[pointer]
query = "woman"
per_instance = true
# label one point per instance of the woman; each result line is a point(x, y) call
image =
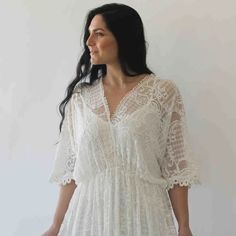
point(123, 160)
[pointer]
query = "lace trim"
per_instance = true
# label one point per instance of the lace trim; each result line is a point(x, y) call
point(182, 181)
point(62, 180)
point(93, 97)
point(112, 115)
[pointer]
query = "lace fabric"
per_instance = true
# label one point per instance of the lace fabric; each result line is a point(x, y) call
point(65, 152)
point(179, 165)
point(124, 164)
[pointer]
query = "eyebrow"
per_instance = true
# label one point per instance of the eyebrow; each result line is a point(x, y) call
point(94, 30)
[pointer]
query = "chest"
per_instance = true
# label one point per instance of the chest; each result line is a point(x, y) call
point(114, 105)
point(115, 96)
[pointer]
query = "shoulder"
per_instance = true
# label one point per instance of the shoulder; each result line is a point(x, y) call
point(165, 88)
point(78, 88)
point(74, 99)
point(166, 94)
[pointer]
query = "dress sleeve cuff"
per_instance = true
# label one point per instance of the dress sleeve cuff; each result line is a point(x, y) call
point(63, 179)
point(182, 181)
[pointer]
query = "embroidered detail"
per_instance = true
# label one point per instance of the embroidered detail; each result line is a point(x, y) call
point(186, 181)
point(70, 163)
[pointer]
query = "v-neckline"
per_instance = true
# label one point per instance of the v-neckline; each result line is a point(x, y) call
point(110, 115)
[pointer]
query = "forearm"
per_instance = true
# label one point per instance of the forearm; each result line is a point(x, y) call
point(65, 195)
point(179, 200)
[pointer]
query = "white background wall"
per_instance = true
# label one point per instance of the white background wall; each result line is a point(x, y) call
point(191, 42)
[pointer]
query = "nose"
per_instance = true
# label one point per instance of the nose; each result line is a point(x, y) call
point(90, 41)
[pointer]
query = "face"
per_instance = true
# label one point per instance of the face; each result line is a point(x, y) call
point(101, 42)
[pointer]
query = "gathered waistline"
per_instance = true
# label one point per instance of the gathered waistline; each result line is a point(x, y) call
point(143, 176)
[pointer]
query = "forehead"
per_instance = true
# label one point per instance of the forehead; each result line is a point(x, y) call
point(97, 22)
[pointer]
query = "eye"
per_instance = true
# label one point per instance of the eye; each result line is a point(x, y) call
point(99, 34)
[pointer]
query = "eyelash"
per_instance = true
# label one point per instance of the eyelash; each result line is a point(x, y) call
point(100, 34)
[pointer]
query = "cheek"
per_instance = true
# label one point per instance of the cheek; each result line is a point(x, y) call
point(110, 46)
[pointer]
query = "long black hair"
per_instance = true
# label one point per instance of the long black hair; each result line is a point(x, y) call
point(126, 25)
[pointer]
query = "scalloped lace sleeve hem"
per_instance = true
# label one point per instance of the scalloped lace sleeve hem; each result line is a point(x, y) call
point(182, 181)
point(61, 180)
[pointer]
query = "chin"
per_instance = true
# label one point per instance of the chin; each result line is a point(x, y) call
point(97, 62)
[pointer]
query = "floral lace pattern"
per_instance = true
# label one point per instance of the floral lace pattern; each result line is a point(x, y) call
point(124, 163)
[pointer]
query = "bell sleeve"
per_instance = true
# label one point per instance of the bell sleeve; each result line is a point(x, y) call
point(179, 165)
point(65, 156)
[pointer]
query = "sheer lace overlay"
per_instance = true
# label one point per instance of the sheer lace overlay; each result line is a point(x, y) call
point(124, 163)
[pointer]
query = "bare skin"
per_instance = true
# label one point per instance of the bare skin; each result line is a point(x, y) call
point(179, 200)
point(103, 47)
point(65, 195)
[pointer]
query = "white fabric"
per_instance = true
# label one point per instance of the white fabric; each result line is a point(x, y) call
point(124, 163)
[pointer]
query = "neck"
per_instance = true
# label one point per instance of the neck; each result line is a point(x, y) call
point(116, 78)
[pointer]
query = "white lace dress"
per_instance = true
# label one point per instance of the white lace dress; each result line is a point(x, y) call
point(123, 164)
